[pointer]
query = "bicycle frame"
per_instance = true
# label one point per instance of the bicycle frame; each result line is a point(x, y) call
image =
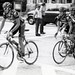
point(11, 43)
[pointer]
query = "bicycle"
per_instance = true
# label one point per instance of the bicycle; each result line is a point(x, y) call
point(62, 49)
point(7, 52)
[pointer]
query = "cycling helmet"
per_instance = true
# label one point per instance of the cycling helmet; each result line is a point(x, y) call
point(7, 5)
point(62, 9)
point(43, 4)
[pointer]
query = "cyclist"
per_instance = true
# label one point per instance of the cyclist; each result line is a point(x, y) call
point(63, 21)
point(72, 18)
point(19, 25)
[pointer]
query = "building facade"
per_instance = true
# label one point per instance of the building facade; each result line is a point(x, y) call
point(50, 1)
point(17, 4)
point(30, 4)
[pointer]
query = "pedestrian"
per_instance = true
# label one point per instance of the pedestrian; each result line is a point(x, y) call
point(38, 19)
point(19, 25)
point(43, 9)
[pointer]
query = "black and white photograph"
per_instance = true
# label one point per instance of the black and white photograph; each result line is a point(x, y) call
point(37, 37)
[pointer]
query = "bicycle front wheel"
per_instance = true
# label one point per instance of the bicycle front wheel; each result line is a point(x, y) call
point(59, 52)
point(31, 52)
point(6, 56)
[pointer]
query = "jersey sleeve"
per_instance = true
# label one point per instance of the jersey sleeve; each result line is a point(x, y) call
point(69, 18)
point(4, 15)
point(15, 14)
point(58, 18)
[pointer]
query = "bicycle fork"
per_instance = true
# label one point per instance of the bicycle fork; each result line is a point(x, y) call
point(29, 50)
point(6, 49)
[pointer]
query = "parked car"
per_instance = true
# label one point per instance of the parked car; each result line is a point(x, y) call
point(50, 16)
point(30, 17)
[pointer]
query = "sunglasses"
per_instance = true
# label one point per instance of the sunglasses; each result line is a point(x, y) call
point(5, 8)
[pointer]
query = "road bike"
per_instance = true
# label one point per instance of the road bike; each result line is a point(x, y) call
point(62, 49)
point(7, 52)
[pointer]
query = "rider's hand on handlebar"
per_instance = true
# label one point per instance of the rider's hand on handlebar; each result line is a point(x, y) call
point(0, 31)
point(9, 34)
point(69, 33)
point(55, 35)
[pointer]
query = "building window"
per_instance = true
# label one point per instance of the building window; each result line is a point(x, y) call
point(60, 1)
point(48, 1)
point(35, 1)
point(40, 0)
point(69, 1)
point(53, 1)
point(45, 1)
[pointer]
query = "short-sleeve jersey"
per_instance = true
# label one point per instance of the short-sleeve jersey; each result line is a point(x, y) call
point(62, 18)
point(12, 16)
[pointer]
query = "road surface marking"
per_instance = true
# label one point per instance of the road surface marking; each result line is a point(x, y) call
point(50, 70)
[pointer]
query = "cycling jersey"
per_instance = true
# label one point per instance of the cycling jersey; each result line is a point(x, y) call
point(72, 18)
point(64, 19)
point(12, 16)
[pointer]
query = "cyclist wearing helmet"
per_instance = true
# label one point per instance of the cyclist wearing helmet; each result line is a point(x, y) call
point(63, 21)
point(19, 25)
point(72, 18)
point(72, 26)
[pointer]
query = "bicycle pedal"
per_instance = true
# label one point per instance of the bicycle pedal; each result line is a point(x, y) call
point(20, 58)
point(20, 54)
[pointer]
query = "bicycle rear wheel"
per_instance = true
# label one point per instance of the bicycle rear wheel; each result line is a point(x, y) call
point(6, 56)
point(58, 55)
point(31, 52)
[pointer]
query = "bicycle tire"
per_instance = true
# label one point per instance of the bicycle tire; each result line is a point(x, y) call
point(59, 48)
point(61, 56)
point(30, 45)
point(5, 46)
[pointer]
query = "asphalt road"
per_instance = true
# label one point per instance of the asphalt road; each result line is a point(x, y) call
point(45, 64)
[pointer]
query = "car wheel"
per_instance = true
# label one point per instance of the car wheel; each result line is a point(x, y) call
point(31, 20)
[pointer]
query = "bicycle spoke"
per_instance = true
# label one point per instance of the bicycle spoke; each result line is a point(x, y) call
point(6, 55)
point(58, 55)
point(31, 52)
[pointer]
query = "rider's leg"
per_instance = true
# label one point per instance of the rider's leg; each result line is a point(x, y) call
point(21, 44)
point(72, 36)
point(21, 37)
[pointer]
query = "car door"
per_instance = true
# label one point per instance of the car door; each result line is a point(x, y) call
point(50, 16)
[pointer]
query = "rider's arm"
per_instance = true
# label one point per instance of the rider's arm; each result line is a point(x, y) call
point(17, 21)
point(58, 24)
point(2, 24)
point(69, 18)
point(17, 25)
point(70, 25)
